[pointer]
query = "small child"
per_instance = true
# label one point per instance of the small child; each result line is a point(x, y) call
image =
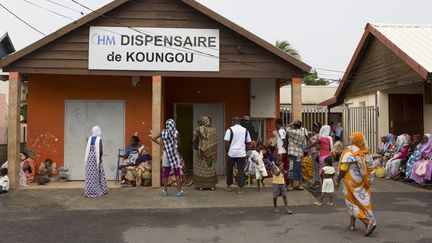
point(279, 186)
point(256, 157)
point(4, 180)
point(327, 173)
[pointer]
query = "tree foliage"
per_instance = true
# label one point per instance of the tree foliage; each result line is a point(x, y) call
point(286, 47)
point(312, 79)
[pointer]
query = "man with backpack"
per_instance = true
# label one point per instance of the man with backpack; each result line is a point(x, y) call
point(237, 139)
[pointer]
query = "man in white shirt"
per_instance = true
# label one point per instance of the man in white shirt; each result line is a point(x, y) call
point(282, 147)
point(4, 180)
point(236, 139)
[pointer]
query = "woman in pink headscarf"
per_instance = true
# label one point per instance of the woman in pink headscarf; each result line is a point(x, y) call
point(422, 169)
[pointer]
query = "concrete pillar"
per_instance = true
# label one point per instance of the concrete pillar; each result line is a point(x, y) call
point(296, 98)
point(14, 128)
point(156, 129)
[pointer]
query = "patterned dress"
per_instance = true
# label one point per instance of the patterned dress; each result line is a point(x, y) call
point(95, 182)
point(356, 185)
point(204, 168)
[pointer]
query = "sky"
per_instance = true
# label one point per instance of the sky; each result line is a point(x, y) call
point(325, 32)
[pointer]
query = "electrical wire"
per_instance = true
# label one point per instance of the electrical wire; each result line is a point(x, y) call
point(64, 6)
point(20, 19)
point(330, 70)
point(49, 10)
point(188, 50)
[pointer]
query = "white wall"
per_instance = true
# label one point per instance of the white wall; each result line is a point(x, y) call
point(357, 101)
point(383, 104)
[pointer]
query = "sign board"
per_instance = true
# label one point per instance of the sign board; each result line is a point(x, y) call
point(153, 49)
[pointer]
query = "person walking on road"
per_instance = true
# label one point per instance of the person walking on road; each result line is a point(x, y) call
point(355, 179)
point(237, 139)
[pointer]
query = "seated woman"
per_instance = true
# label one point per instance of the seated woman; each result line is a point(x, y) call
point(139, 171)
point(422, 169)
point(130, 156)
point(401, 151)
point(28, 166)
point(44, 171)
point(413, 155)
point(384, 151)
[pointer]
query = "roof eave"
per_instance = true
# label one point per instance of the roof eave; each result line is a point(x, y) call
point(60, 32)
point(257, 40)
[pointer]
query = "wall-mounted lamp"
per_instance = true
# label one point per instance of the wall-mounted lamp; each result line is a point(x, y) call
point(135, 80)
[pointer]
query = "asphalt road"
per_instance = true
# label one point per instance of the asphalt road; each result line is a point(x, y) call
point(403, 216)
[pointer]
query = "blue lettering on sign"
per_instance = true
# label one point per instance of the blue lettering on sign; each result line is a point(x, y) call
point(103, 40)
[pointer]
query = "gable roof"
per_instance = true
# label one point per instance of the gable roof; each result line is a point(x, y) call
point(411, 43)
point(6, 42)
point(192, 3)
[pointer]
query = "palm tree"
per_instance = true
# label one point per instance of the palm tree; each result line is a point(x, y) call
point(286, 47)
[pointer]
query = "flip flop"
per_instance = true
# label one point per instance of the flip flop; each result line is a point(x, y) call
point(276, 210)
point(287, 211)
point(318, 203)
point(369, 232)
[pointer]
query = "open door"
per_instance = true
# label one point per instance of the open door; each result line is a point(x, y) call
point(187, 121)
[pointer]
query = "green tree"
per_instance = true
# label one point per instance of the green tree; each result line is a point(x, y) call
point(286, 47)
point(312, 79)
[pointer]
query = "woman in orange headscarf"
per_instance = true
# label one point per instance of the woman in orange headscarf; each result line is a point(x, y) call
point(356, 177)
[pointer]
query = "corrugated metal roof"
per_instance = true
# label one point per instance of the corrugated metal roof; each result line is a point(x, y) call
point(414, 40)
point(311, 95)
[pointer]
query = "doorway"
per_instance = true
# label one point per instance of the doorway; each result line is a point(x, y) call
point(406, 113)
point(186, 116)
point(80, 117)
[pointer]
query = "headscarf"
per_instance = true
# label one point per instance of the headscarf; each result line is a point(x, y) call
point(325, 132)
point(170, 137)
point(96, 132)
point(389, 142)
point(402, 140)
point(426, 150)
point(358, 140)
point(204, 121)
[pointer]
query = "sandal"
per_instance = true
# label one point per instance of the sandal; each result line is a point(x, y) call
point(165, 193)
point(276, 210)
point(300, 188)
point(318, 203)
point(330, 203)
point(290, 188)
point(287, 211)
point(228, 189)
point(370, 229)
point(180, 194)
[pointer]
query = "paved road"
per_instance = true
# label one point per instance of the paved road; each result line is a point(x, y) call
point(404, 214)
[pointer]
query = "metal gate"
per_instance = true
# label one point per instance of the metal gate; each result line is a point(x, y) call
point(310, 115)
point(364, 120)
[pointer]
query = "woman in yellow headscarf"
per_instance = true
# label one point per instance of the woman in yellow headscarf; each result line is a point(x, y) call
point(356, 179)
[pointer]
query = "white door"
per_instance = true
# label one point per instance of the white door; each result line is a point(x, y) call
point(80, 117)
point(217, 115)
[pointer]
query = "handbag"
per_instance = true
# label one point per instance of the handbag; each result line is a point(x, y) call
point(421, 169)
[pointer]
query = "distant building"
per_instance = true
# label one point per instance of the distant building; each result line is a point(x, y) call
point(6, 48)
point(312, 112)
point(387, 85)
